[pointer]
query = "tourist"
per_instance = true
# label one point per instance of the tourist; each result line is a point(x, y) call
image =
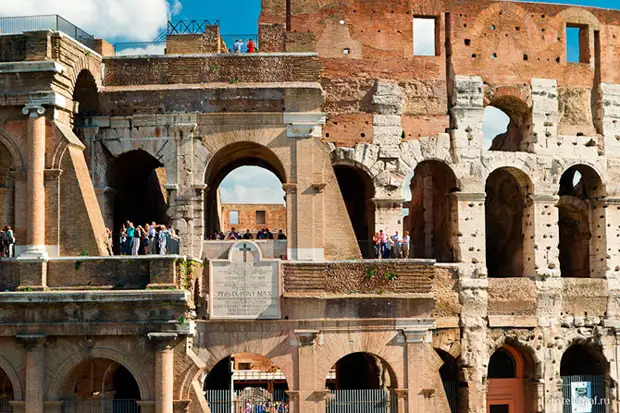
point(260, 234)
point(152, 240)
point(162, 239)
point(251, 46)
point(396, 242)
point(233, 234)
point(131, 232)
point(376, 240)
point(137, 235)
point(8, 242)
point(281, 235)
point(389, 243)
point(248, 234)
point(268, 234)
point(382, 243)
point(237, 46)
point(405, 245)
point(122, 240)
point(109, 240)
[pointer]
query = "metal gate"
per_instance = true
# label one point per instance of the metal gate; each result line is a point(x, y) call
point(361, 401)
point(99, 406)
point(450, 387)
point(589, 391)
point(249, 400)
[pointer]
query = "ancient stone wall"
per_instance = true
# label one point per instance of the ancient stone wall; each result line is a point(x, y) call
point(274, 214)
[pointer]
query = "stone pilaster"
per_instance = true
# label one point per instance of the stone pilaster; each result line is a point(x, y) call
point(416, 338)
point(546, 236)
point(304, 199)
point(608, 117)
point(467, 113)
point(306, 374)
point(471, 232)
point(35, 196)
point(545, 115)
point(164, 371)
point(35, 372)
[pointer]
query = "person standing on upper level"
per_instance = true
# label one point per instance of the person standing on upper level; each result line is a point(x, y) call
point(251, 46)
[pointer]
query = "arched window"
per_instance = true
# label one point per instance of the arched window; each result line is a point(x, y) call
point(509, 231)
point(581, 223)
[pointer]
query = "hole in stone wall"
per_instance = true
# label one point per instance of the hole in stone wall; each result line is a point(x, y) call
point(424, 36)
point(506, 124)
point(467, 42)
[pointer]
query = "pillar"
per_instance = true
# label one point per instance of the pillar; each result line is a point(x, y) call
point(35, 189)
point(304, 212)
point(416, 337)
point(304, 400)
point(35, 372)
point(164, 371)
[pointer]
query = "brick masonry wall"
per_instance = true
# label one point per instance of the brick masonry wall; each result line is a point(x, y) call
point(206, 69)
point(275, 217)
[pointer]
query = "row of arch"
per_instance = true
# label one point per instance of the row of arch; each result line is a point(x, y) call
point(509, 217)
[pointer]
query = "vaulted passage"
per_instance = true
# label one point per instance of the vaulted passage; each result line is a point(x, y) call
point(7, 187)
point(100, 385)
point(581, 223)
point(140, 196)
point(433, 213)
point(357, 190)
point(6, 392)
point(584, 371)
point(509, 230)
point(86, 99)
point(248, 382)
point(449, 373)
point(510, 387)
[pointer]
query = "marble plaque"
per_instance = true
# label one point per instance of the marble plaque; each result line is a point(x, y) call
point(244, 286)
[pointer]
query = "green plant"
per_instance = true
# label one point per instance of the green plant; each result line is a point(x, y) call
point(181, 320)
point(87, 53)
point(389, 275)
point(371, 271)
point(78, 264)
point(381, 292)
point(213, 68)
point(234, 80)
point(85, 253)
point(27, 289)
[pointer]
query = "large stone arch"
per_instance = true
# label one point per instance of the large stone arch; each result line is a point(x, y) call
point(383, 345)
point(14, 150)
point(62, 372)
point(6, 366)
point(531, 355)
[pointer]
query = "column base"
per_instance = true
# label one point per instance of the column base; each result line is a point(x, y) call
point(31, 252)
point(306, 254)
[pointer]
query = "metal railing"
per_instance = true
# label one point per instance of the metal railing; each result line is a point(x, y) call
point(5, 406)
point(361, 401)
point(140, 48)
point(186, 27)
point(587, 390)
point(230, 40)
point(54, 22)
point(247, 401)
point(450, 387)
point(74, 405)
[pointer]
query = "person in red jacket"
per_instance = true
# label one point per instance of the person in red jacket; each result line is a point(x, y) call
point(251, 46)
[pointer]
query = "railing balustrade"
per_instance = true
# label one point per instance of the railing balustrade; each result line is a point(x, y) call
point(17, 25)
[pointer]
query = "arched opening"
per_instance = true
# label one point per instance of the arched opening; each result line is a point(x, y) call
point(244, 191)
point(100, 385)
point(583, 370)
point(432, 219)
point(581, 223)
point(7, 191)
point(357, 190)
point(246, 382)
point(449, 373)
point(510, 388)
point(138, 180)
point(509, 229)
point(507, 124)
point(360, 379)
point(6, 392)
point(85, 99)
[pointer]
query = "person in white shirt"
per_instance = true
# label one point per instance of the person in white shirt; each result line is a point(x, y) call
point(397, 241)
point(405, 245)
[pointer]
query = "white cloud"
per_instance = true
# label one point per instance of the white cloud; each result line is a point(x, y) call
point(251, 185)
point(495, 122)
point(139, 20)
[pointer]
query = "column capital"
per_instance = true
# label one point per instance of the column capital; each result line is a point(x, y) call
point(293, 395)
point(163, 341)
point(306, 337)
point(401, 393)
point(289, 188)
point(304, 124)
point(416, 331)
point(31, 341)
point(34, 111)
point(470, 196)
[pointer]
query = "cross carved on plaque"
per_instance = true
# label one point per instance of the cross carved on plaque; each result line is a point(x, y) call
point(245, 250)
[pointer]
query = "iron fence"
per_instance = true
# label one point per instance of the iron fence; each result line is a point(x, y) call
point(5, 406)
point(450, 387)
point(16, 25)
point(250, 400)
point(587, 390)
point(103, 405)
point(140, 48)
point(231, 39)
point(361, 401)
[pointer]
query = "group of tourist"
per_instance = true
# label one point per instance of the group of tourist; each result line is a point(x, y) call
point(250, 46)
point(233, 235)
point(149, 239)
point(395, 246)
point(7, 242)
point(265, 407)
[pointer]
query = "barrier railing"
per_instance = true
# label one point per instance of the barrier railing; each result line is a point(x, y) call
point(16, 25)
point(584, 393)
point(231, 39)
point(250, 400)
point(73, 405)
point(361, 401)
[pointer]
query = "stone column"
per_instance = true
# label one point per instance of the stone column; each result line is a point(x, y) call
point(467, 113)
point(416, 337)
point(546, 235)
point(35, 371)
point(164, 371)
point(35, 197)
point(306, 400)
point(303, 209)
point(471, 234)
